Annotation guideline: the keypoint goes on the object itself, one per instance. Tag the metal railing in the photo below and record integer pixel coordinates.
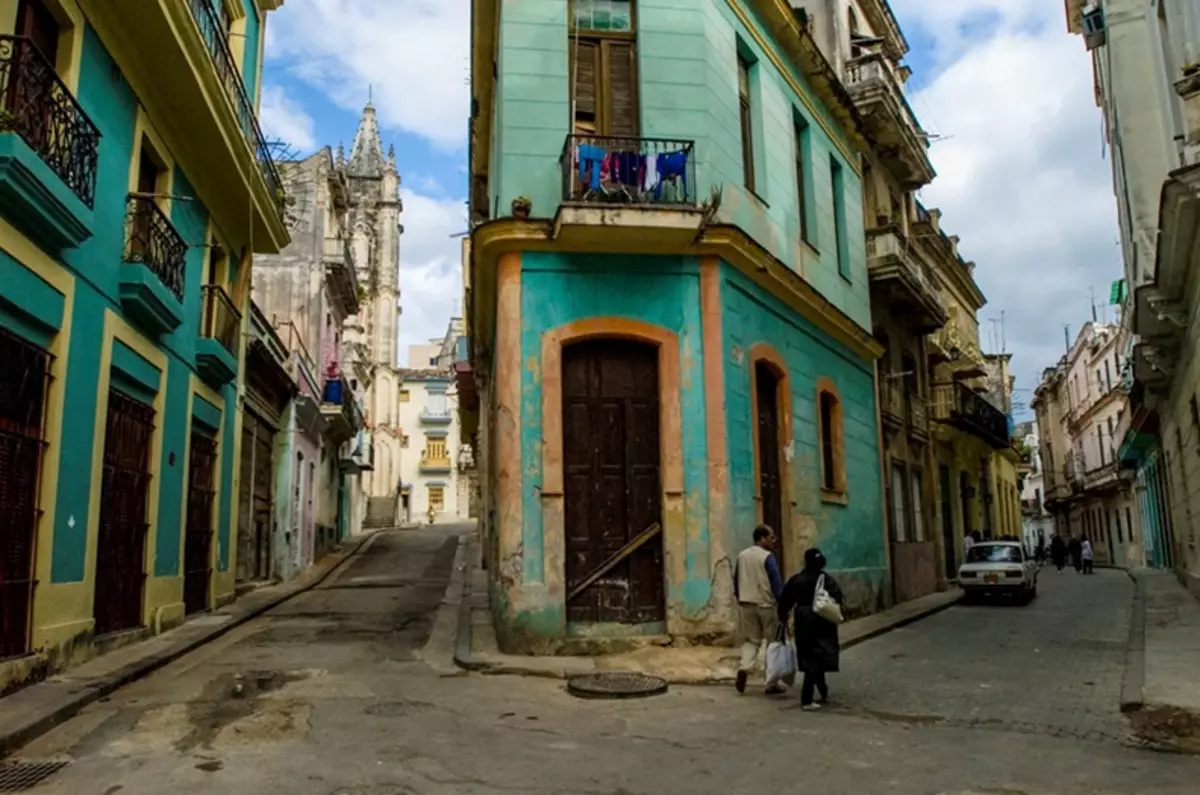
(436, 415)
(889, 241)
(600, 169)
(37, 105)
(293, 340)
(439, 462)
(955, 403)
(222, 320)
(153, 241)
(1096, 476)
(213, 31)
(918, 414)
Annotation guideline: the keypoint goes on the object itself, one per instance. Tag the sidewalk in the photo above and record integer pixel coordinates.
(477, 649)
(1162, 687)
(34, 710)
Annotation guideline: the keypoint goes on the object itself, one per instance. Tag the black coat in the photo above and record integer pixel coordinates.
(817, 647)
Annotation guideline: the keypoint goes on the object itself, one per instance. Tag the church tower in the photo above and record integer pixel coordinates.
(374, 223)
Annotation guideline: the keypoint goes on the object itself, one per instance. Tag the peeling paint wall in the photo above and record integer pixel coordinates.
(852, 535)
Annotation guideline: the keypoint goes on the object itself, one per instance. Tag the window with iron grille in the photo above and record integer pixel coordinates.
(121, 543)
(24, 385)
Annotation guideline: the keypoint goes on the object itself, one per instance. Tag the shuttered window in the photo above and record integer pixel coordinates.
(604, 74)
(747, 127)
(605, 79)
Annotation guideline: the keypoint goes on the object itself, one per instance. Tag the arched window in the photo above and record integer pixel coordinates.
(831, 441)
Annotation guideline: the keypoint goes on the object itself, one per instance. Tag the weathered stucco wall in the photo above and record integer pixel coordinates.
(852, 535)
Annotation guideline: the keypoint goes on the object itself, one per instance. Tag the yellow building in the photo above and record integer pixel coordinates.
(134, 186)
(977, 478)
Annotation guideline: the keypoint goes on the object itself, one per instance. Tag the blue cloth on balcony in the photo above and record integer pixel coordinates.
(591, 159)
(625, 168)
(672, 166)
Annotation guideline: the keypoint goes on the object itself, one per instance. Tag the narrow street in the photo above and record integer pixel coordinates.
(335, 700)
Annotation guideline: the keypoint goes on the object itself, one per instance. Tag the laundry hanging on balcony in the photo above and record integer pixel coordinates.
(619, 175)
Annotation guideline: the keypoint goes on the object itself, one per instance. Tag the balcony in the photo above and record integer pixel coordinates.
(49, 150)
(1102, 477)
(961, 352)
(876, 90)
(177, 56)
(960, 407)
(918, 419)
(340, 275)
(891, 402)
(436, 416)
(217, 348)
(905, 279)
(358, 456)
(155, 261)
(644, 186)
(434, 464)
(339, 407)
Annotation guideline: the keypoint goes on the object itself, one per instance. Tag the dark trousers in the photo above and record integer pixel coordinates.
(1087, 567)
(813, 680)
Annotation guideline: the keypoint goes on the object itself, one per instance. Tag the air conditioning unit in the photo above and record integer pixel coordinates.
(1093, 26)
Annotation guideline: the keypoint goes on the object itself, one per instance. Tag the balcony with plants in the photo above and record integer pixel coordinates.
(49, 150)
(153, 266)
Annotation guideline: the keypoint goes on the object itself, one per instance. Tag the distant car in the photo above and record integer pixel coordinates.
(999, 568)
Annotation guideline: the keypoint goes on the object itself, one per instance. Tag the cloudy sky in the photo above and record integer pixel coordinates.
(1022, 178)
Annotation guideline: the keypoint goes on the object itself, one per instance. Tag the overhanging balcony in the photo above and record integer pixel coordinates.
(217, 348)
(959, 351)
(436, 416)
(876, 89)
(962, 408)
(153, 268)
(644, 187)
(49, 150)
(177, 58)
(339, 407)
(434, 464)
(908, 284)
(340, 275)
(1104, 477)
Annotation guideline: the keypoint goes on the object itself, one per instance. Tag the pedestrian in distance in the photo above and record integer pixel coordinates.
(1087, 556)
(817, 647)
(1076, 550)
(1058, 552)
(968, 542)
(757, 585)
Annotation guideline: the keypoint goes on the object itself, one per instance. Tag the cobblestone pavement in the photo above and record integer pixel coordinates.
(1053, 667)
(326, 696)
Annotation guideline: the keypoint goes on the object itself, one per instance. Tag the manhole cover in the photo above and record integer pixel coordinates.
(18, 775)
(616, 685)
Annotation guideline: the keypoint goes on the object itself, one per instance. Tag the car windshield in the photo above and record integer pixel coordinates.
(993, 553)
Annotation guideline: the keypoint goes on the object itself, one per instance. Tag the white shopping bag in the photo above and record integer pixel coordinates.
(824, 605)
(781, 660)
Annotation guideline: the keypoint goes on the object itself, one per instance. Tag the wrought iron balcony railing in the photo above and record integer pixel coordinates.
(153, 241)
(222, 320)
(958, 405)
(599, 169)
(37, 105)
(214, 32)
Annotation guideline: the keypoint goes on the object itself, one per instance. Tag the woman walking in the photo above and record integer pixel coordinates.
(817, 648)
(1058, 552)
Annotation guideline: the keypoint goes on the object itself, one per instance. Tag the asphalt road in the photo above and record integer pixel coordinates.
(328, 696)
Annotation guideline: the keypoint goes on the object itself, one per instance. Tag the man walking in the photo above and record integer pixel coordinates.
(757, 586)
(1076, 549)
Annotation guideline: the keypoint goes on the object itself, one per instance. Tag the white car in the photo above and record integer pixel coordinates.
(1001, 568)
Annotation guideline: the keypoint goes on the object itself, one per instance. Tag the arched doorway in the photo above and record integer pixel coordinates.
(611, 481)
(770, 482)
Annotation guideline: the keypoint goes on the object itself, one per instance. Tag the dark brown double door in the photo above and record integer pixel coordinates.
(770, 482)
(611, 459)
(125, 488)
(198, 534)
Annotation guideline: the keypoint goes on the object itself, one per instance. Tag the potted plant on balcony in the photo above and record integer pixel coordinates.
(521, 207)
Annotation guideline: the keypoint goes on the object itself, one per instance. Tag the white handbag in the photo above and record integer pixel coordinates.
(824, 604)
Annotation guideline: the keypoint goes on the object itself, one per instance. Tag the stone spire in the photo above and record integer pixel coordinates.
(391, 157)
(366, 156)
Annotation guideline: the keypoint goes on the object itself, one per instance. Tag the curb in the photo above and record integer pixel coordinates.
(89, 693)
(462, 641)
(464, 659)
(1133, 681)
(439, 651)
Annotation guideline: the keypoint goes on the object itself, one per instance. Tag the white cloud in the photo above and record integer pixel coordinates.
(411, 54)
(1020, 174)
(430, 266)
(284, 119)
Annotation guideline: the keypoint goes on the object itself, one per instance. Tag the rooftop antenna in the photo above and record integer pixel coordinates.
(1067, 337)
(1092, 294)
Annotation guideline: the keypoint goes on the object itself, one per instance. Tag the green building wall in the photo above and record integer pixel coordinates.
(688, 52)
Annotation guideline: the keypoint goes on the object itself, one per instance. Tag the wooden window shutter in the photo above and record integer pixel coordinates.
(585, 54)
(622, 106)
